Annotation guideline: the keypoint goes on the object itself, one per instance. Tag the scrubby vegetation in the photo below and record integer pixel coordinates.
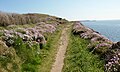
(100, 45)
(29, 56)
(28, 42)
(79, 59)
(49, 51)
(28, 53)
(21, 19)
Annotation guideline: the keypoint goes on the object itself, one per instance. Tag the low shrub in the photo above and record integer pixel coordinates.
(29, 54)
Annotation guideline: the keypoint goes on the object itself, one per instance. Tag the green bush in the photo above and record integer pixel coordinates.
(1, 34)
(29, 54)
(29, 67)
(4, 60)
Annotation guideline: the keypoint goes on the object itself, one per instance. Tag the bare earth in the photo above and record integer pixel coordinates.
(59, 61)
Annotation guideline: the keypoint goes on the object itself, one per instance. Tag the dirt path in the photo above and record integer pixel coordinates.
(59, 61)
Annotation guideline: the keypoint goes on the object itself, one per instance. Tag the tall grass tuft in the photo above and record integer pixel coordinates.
(29, 54)
(79, 59)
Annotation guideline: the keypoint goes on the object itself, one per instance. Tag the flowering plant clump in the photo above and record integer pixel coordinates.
(113, 59)
(29, 34)
(113, 64)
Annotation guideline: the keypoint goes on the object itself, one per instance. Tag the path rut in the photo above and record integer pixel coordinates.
(63, 43)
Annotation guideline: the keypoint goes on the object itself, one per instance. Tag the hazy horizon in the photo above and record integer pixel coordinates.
(71, 10)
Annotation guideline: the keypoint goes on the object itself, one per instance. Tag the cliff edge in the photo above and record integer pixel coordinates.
(100, 45)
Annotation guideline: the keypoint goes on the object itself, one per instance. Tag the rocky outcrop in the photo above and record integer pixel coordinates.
(101, 45)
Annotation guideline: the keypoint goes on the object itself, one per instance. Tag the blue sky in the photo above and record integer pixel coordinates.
(69, 9)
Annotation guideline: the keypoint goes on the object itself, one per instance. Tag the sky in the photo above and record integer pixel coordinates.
(69, 9)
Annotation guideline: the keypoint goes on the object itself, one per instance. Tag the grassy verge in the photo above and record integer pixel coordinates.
(79, 59)
(49, 51)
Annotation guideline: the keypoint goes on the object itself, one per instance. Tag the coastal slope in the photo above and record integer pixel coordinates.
(36, 42)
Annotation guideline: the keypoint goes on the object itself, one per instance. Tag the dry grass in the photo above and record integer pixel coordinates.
(20, 19)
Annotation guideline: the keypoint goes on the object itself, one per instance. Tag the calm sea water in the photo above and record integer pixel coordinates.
(108, 28)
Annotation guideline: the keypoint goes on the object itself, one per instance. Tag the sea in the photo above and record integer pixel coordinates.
(108, 28)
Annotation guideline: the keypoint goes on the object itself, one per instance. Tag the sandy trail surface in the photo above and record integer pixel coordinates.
(63, 43)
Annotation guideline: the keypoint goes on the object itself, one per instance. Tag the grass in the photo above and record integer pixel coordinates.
(49, 51)
(15, 27)
(10, 61)
(79, 59)
(20, 26)
(28, 55)
(35, 59)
